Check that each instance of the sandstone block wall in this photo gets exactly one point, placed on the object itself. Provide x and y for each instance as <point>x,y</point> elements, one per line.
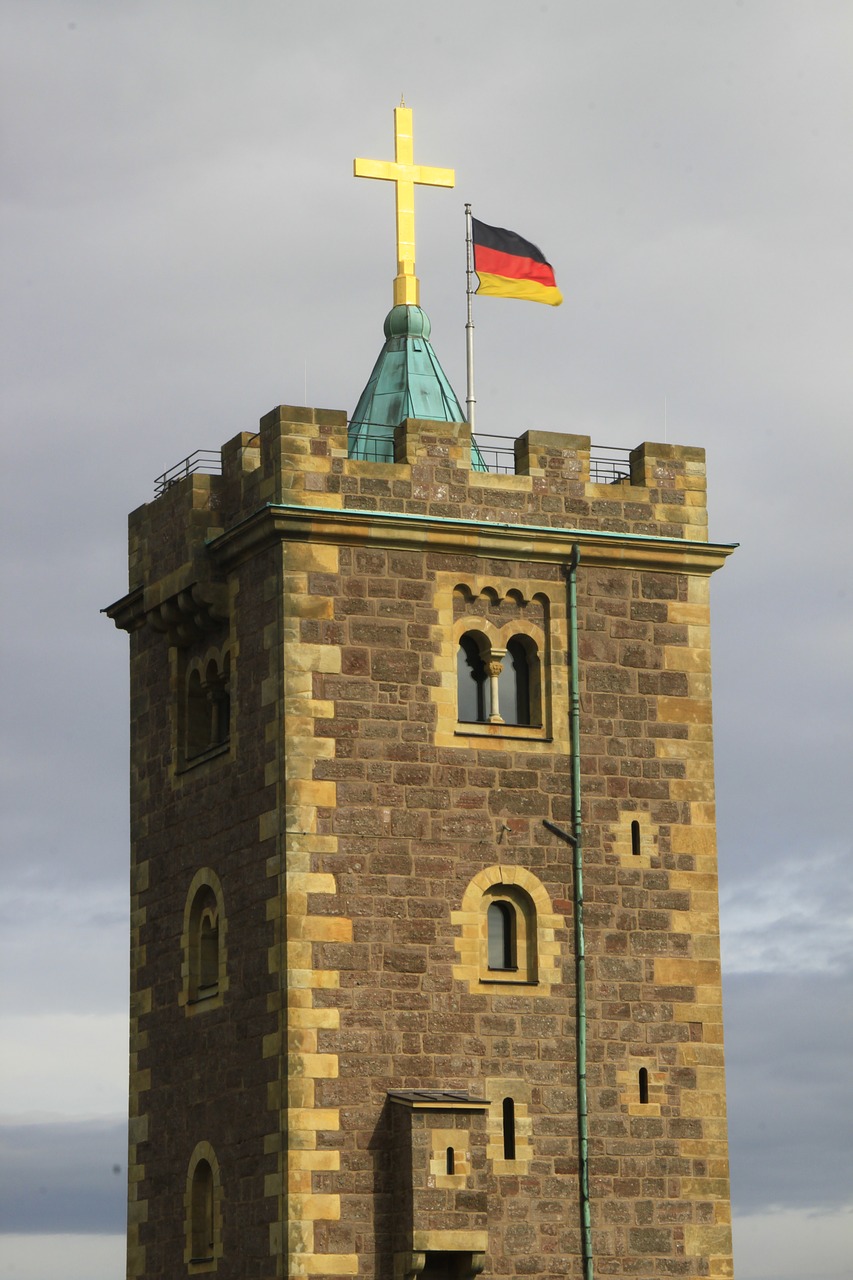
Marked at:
<point>357,829</point>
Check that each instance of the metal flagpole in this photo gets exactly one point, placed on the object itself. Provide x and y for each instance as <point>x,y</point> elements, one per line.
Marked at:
<point>470,400</point>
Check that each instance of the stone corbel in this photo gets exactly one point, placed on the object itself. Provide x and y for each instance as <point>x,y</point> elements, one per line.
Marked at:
<point>190,614</point>
<point>184,617</point>
<point>408,1266</point>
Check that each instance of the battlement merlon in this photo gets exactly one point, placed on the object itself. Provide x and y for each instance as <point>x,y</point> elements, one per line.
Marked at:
<point>293,478</point>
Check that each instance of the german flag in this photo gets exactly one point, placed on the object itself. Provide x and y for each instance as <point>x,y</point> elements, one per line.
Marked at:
<point>510,267</point>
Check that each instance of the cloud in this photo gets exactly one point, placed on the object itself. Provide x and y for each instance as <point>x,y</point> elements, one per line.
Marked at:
<point>790,916</point>
<point>63,1177</point>
<point>788,1246</point>
<point>68,949</point>
<point>63,1064</point>
<point>74,1257</point>
<point>789,1045</point>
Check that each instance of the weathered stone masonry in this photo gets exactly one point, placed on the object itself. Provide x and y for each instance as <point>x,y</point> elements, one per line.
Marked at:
<point>351,1073</point>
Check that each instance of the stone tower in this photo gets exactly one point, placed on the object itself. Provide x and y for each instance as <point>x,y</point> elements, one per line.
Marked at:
<point>384,714</point>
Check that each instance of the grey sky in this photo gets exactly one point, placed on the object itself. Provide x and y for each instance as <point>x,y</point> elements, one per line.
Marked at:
<point>184,246</point>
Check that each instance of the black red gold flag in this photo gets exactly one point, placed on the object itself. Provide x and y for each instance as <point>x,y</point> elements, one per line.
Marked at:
<point>511,267</point>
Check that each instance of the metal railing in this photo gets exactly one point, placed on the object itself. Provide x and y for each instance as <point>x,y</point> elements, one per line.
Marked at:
<point>206,460</point>
<point>607,464</point>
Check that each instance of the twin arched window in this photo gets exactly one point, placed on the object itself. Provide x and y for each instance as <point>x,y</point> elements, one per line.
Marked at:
<point>497,686</point>
<point>208,707</point>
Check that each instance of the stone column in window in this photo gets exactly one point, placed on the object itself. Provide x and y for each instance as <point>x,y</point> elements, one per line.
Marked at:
<point>494,667</point>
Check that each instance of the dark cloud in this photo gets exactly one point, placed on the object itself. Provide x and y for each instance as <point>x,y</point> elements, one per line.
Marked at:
<point>63,1177</point>
<point>789,1045</point>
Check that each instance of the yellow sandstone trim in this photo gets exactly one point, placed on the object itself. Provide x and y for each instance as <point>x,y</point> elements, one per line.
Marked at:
<point>293,1097</point>
<point>471,942</point>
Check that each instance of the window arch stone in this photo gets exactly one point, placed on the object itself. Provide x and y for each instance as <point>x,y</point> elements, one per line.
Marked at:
<point>523,906</point>
<point>203,1211</point>
<point>204,969</point>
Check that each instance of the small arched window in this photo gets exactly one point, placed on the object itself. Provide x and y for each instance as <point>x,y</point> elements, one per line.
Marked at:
<point>204,945</point>
<point>450,1160</point>
<point>207,959</point>
<point>202,1208</point>
<point>635,838</point>
<point>501,922</point>
<point>508,935</point>
<point>472,682</point>
<point>204,966</point>
<point>643,1083</point>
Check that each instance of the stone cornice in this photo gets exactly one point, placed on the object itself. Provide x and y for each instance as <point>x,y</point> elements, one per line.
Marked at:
<point>184,615</point>
<point>503,541</point>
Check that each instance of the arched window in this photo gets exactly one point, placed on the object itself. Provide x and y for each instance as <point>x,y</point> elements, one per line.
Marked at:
<point>450,1160</point>
<point>509,935</point>
<point>204,967</point>
<point>509,1128</point>
<point>202,1213</point>
<point>472,682</point>
<point>207,959</point>
<point>204,945</point>
<point>643,1083</point>
<point>523,931</point>
<point>500,918</point>
<point>635,838</point>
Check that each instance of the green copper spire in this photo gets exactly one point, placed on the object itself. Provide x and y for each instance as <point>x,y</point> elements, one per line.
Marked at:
<point>407,382</point>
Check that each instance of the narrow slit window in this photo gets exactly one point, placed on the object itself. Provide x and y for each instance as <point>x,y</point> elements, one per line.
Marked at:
<point>500,919</point>
<point>644,1084</point>
<point>635,838</point>
<point>509,1128</point>
<point>450,1160</point>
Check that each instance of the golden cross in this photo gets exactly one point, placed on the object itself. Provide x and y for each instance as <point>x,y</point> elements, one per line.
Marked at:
<point>402,171</point>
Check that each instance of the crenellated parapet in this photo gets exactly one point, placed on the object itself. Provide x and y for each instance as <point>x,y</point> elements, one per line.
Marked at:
<point>298,458</point>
